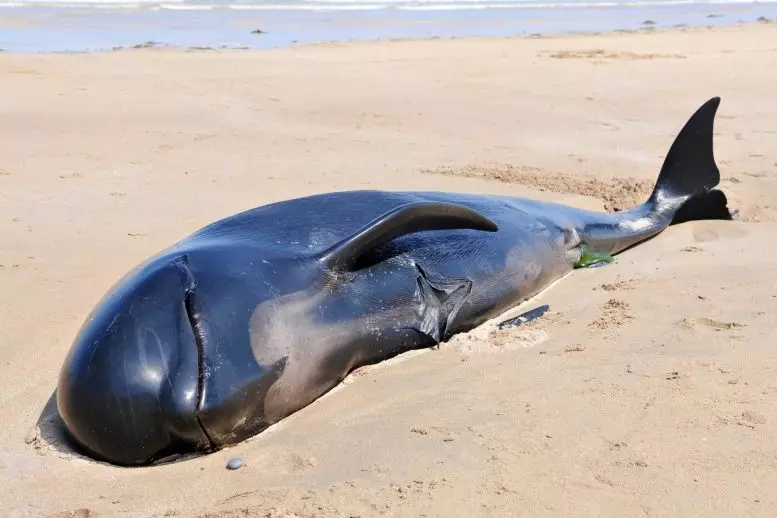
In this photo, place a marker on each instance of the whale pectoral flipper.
(406, 219)
(437, 301)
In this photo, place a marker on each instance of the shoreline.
(70, 30)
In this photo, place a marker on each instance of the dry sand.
(649, 389)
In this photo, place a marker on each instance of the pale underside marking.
(524, 338)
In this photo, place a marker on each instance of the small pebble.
(235, 463)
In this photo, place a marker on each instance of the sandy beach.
(650, 387)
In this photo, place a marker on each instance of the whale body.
(255, 316)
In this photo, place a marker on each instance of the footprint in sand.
(718, 325)
(707, 231)
(626, 285)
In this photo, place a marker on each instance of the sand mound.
(616, 193)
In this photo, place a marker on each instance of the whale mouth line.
(197, 326)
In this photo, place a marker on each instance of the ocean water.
(91, 25)
(365, 5)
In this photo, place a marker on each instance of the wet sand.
(102, 25)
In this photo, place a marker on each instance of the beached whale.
(256, 316)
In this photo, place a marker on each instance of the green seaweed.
(589, 259)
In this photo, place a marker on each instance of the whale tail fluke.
(685, 185)
(710, 205)
(685, 191)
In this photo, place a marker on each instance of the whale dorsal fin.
(405, 219)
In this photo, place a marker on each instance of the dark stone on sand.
(525, 317)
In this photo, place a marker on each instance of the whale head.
(128, 389)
